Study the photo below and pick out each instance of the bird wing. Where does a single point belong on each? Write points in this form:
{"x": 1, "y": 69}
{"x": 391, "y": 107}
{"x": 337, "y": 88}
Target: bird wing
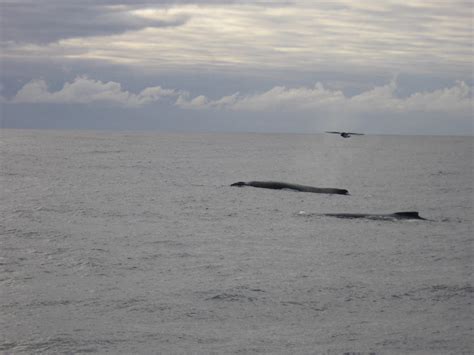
{"x": 333, "y": 132}
{"x": 356, "y": 134}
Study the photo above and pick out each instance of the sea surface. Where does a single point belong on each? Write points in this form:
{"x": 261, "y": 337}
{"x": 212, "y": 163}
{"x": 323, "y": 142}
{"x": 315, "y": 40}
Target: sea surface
{"x": 134, "y": 243}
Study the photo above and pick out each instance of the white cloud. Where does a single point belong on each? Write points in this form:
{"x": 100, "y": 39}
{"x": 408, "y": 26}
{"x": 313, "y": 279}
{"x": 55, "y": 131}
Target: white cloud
{"x": 82, "y": 90}
{"x": 457, "y": 98}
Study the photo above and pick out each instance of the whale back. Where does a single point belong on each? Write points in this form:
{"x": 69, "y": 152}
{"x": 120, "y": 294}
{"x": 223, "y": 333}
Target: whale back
{"x": 239, "y": 183}
{"x": 408, "y": 215}
{"x": 277, "y": 185}
{"x": 381, "y": 217}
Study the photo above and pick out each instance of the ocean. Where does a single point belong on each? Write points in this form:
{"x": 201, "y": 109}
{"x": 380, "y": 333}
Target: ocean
{"x": 135, "y": 243}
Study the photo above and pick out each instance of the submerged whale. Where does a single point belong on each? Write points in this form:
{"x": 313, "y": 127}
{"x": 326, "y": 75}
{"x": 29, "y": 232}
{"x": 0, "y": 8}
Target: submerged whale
{"x": 286, "y": 186}
{"x": 383, "y": 217}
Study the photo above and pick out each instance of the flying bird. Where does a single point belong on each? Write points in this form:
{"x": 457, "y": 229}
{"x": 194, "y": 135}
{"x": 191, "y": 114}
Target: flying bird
{"x": 345, "y": 134}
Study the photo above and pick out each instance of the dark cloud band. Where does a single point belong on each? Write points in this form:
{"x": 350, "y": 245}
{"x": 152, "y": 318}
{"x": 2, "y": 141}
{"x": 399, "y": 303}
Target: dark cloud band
{"x": 49, "y": 21}
{"x": 46, "y": 21}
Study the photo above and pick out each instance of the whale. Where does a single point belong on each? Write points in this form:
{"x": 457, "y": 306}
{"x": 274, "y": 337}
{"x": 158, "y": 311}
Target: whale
{"x": 275, "y": 185}
{"x": 405, "y": 215}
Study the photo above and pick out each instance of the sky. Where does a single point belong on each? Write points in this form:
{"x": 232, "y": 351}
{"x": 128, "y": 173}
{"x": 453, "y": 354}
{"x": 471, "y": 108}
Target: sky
{"x": 302, "y": 66}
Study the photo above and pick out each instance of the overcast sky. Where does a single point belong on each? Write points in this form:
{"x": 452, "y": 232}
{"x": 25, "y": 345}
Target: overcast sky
{"x": 376, "y": 66}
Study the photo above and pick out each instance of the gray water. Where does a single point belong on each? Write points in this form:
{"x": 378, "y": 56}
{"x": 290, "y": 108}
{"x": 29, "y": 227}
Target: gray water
{"x": 136, "y": 243}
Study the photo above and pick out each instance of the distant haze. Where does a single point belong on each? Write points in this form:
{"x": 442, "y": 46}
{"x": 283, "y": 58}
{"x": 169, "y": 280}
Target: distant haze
{"x": 268, "y": 66}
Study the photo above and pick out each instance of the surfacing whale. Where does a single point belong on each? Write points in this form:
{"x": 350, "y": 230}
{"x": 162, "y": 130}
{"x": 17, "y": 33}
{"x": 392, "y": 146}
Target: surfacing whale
{"x": 286, "y": 186}
{"x": 383, "y": 217}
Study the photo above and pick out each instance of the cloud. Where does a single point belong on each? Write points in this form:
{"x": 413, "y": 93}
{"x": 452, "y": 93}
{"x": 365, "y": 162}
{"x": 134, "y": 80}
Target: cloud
{"x": 83, "y": 90}
{"x": 454, "y": 99}
{"x": 372, "y": 36}
{"x": 46, "y": 21}
{"x": 457, "y": 98}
